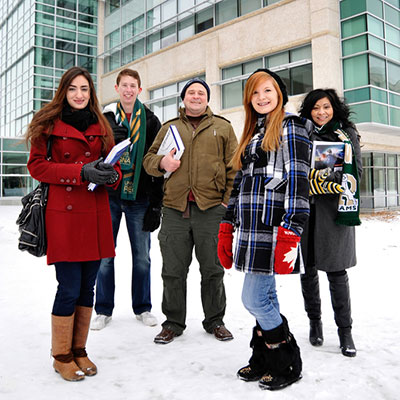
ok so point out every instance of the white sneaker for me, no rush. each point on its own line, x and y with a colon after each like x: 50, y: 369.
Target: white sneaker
x: 100, y: 322
x: 147, y: 318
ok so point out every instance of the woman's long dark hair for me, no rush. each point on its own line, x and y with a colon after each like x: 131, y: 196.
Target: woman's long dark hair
x: 43, y: 121
x: 341, y: 111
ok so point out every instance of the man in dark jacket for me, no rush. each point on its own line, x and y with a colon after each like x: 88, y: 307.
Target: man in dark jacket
x: 139, y: 197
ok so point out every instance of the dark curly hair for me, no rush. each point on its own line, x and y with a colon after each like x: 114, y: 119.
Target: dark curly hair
x: 341, y: 111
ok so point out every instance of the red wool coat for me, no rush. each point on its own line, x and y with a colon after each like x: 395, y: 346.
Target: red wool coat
x: 78, y: 221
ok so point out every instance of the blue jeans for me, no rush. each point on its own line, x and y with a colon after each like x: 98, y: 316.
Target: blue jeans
x: 75, y: 286
x: 140, y: 247
x: 260, y: 300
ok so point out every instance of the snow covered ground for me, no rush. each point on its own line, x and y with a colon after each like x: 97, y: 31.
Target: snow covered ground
x: 196, y: 366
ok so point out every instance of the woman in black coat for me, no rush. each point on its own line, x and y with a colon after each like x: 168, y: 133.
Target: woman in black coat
x: 328, y: 240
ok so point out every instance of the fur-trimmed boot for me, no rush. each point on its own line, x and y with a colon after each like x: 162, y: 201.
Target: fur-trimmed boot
x: 282, y: 358
x: 256, y: 368
x: 61, y: 338
x: 81, y: 331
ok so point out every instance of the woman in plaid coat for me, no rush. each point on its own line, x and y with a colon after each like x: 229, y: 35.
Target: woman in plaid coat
x: 268, y: 207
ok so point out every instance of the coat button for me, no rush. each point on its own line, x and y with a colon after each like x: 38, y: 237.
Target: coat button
x: 88, y: 154
x: 65, y: 138
x: 67, y: 155
x: 91, y: 138
x: 74, y: 180
x: 68, y: 180
x: 69, y: 207
x: 62, y: 180
x: 68, y: 188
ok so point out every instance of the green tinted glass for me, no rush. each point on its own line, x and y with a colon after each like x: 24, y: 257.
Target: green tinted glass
x: 379, y: 95
x: 354, y: 26
x: 392, y: 34
x: 15, y: 145
x: 45, y: 18
x: 355, y: 45
x: 374, y: 7
x: 394, y: 77
x: 379, y: 113
x: 394, y: 99
x: 376, y: 44
x: 232, y: 94
x: 351, y: 7
x: 393, y: 52
x: 302, y: 53
x: 355, y: 96
x: 375, y: 26
x: 361, y: 112
x: 232, y: 71
x: 392, y: 16
x: 394, y: 116
x: 355, y: 71
x: 377, y: 71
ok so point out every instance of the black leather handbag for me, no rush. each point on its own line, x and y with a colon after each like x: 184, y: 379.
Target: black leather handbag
x: 31, y: 220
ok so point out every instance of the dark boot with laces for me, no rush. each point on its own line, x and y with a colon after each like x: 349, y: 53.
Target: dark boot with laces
x: 316, y: 335
x: 346, y: 342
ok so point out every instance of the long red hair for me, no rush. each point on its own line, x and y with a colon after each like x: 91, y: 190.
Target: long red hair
x: 43, y: 121
x: 273, y: 122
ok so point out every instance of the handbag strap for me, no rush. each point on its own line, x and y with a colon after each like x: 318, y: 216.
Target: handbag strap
x: 49, y: 144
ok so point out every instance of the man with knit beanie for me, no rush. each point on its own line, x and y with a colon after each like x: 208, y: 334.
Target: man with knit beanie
x: 195, y: 198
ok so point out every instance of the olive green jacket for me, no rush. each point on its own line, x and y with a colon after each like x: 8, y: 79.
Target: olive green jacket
x: 205, y: 164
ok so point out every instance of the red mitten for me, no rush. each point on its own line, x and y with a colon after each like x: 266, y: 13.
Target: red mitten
x: 285, y: 250
x: 225, y: 239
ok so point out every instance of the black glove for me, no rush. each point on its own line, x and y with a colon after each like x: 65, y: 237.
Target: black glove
x: 90, y: 173
x: 120, y: 133
x: 151, y: 219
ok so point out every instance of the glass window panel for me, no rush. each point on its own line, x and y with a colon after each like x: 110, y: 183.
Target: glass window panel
x: 127, y: 31
x: 43, y: 94
x: 45, y: 18
x: 278, y: 59
x: 15, y: 169
x: 375, y: 26
x: 394, y: 116
x: 232, y: 71
x: 44, y: 42
x: 355, y: 71
x: 157, y: 110
x: 66, y: 46
x: 153, y: 17
x: 127, y: 54
x: 64, y: 60
x: 170, y: 109
x: 67, y: 35
x: 156, y: 93
x: 204, y: 20
x: 138, y: 25
x: 69, y: 4
x: 285, y: 76
x: 394, y: 99
x: 251, y: 66
x: 48, y: 9
x: 44, y: 30
x: 87, y: 62
x: 354, y: 96
x: 168, y: 36
x: 232, y: 95
x: 226, y: 10
x: 66, y: 23
x: 111, y: 6
x: 374, y: 7
x: 379, y: 95
x: 379, y: 187
x: 351, y: 7
x: 394, y: 77
x: 247, y: 6
x: 366, y: 188
x: 153, y: 42
x: 168, y: 10
x: 87, y: 39
x: 16, y: 185
x: 88, y: 7
x: 396, y: 3
x: 44, y: 81
x: 361, y: 112
x: 153, y: 3
x: 87, y: 28
x: 185, y: 28
x: 301, y: 53
x: 90, y: 51
x: 138, y: 49
x: 354, y: 26
x: 170, y: 89
x: 391, y: 160
x: 366, y: 159
x: 44, y: 57
x: 392, y: 16
x: 355, y: 45
x: 379, y: 113
x: 301, y: 79
x: 376, y: 45
x: 393, y: 51
x: 391, y: 187
x: 184, y: 5
x: 392, y: 34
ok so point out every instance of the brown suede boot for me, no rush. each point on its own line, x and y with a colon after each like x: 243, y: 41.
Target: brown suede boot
x: 81, y: 331
x: 62, y: 329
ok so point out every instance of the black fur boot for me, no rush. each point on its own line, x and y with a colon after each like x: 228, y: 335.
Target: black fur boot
x: 282, y: 358
x: 255, y: 369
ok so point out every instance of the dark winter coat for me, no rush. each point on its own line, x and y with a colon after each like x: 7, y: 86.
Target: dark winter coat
x: 149, y: 188
x: 270, y: 190
x: 330, y: 246
x: 78, y: 221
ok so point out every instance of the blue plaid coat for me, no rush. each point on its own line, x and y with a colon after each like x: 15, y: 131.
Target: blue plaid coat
x: 270, y: 189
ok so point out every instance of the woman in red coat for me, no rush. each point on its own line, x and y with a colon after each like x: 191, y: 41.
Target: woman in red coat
x: 78, y: 221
